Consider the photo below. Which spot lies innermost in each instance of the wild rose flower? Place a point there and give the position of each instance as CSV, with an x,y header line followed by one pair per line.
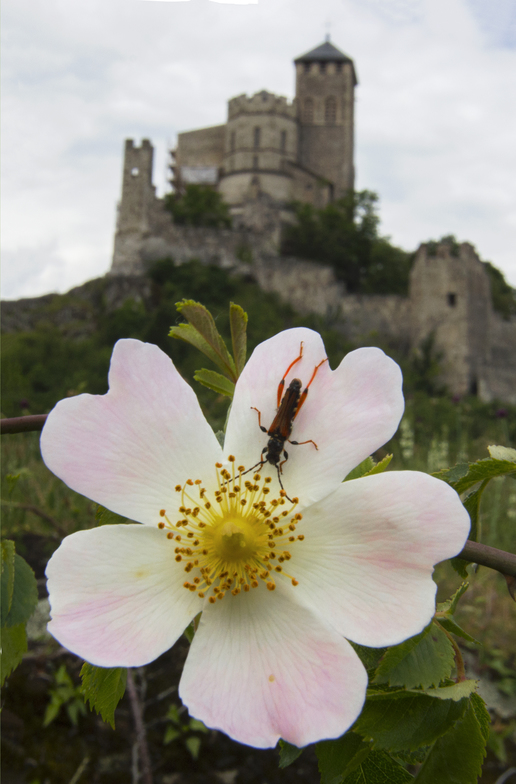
x,y
280,584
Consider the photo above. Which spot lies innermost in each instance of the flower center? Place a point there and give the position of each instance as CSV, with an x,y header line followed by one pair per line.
x,y
236,539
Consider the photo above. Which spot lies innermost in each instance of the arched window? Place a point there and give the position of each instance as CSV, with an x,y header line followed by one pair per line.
x,y
308,110
283,141
330,110
257,137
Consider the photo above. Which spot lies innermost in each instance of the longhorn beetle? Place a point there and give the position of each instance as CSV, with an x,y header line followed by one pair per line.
x,y
289,405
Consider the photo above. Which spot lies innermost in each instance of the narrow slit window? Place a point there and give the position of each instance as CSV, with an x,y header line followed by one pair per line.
x,y
283,141
257,135
451,298
308,114
233,141
255,161
330,110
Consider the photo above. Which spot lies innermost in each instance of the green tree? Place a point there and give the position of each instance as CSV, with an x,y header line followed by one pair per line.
x,y
345,235
502,295
198,205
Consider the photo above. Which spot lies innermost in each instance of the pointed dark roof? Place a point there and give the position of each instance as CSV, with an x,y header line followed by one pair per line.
x,y
326,52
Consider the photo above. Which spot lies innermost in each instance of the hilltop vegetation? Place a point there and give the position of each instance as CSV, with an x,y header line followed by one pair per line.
x,y
345,235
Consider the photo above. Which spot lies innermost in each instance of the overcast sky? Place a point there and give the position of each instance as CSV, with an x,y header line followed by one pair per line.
x,y
435,112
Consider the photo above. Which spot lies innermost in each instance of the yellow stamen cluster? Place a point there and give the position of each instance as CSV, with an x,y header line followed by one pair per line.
x,y
236,539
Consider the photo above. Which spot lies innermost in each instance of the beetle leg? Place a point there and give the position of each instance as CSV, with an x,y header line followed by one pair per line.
x,y
281,385
305,392
264,429
300,443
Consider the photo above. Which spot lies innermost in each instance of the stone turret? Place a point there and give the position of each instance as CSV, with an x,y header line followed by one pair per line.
x,y
325,84
261,140
451,299
136,205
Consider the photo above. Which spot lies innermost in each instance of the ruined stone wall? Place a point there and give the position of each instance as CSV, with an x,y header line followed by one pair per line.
x,y
498,376
451,299
204,147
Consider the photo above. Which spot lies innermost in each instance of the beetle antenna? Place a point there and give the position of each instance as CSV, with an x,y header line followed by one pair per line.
x,y
281,485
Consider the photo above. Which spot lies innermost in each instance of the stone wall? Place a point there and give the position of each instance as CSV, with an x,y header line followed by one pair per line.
x,y
479,347
204,147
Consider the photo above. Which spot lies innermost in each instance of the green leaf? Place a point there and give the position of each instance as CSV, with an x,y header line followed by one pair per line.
x,y
201,332
171,733
482,470
238,324
198,726
7,577
215,381
361,470
103,688
450,605
338,758
14,645
481,715
454,474
24,596
379,768
453,691
503,453
424,660
189,334
445,611
288,753
368,467
380,467
370,657
107,517
193,744
456,757
407,720
453,627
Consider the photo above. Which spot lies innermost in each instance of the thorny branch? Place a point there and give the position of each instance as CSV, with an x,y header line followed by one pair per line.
x,y
481,554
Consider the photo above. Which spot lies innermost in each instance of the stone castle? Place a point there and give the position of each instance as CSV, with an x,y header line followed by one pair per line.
x,y
271,152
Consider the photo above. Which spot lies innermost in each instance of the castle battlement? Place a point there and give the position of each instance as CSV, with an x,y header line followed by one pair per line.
x,y
262,102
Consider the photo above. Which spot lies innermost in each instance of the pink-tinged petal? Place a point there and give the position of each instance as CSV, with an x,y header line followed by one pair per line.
x,y
117,596
349,412
128,449
263,667
367,558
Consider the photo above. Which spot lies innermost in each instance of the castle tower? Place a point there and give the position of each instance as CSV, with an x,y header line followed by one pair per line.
x,y
138,197
325,84
260,142
450,298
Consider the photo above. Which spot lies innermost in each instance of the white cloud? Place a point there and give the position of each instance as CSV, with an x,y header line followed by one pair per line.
x,y
436,114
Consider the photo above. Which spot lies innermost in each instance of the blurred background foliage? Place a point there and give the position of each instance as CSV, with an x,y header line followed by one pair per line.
x,y
198,205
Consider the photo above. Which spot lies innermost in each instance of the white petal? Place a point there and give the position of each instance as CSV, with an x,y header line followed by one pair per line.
x,y
262,667
117,596
348,413
128,449
367,558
